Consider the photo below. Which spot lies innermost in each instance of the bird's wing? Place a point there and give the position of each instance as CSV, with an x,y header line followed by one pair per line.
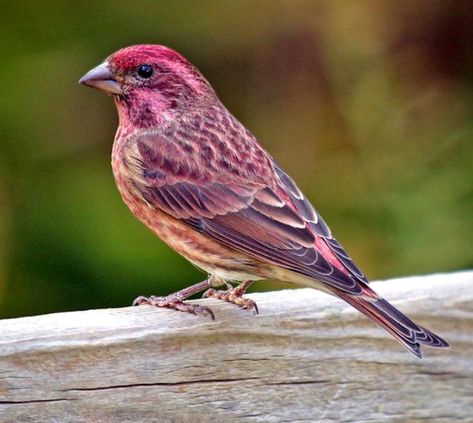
x,y
316,222
271,222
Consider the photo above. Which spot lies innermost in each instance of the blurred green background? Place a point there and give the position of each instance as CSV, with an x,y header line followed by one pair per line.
x,y
367,104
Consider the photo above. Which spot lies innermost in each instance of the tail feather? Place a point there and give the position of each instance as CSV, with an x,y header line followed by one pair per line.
x,y
403,329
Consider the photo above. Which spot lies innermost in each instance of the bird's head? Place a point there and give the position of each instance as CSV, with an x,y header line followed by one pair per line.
x,y
150,84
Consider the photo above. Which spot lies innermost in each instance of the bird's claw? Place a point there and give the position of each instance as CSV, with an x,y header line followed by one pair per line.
x,y
233,296
174,303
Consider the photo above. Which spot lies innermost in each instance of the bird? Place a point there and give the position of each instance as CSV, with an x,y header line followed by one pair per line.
x,y
200,180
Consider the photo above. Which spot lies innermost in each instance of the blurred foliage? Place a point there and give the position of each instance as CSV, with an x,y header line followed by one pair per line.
x,y
367,104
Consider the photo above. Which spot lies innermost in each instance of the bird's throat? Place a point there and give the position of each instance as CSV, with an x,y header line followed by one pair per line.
x,y
142,112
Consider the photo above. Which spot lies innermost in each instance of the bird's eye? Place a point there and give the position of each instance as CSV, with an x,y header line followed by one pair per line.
x,y
145,71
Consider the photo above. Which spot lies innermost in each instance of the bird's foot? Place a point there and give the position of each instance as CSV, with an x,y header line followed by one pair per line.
x,y
174,302
234,296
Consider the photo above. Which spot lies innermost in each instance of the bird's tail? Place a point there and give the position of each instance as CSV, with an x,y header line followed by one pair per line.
x,y
377,309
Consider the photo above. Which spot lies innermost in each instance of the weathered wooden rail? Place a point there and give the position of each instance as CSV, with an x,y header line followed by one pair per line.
x,y
306,357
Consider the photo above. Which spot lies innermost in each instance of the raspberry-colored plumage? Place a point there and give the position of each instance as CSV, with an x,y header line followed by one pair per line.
x,y
199,180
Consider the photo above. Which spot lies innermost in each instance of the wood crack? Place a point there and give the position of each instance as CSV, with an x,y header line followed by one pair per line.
x,y
168,384
302,382
34,401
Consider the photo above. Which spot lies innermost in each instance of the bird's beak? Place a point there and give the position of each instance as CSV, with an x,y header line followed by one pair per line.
x,y
102,79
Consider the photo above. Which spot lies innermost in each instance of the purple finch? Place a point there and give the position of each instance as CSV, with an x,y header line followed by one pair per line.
x,y
192,173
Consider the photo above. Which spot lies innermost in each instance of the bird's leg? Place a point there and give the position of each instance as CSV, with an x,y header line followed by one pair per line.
x,y
234,296
176,301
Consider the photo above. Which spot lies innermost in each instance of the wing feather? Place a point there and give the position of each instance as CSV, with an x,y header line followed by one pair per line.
x,y
318,224
270,221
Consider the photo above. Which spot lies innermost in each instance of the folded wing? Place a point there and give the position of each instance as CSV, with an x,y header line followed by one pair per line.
x,y
272,221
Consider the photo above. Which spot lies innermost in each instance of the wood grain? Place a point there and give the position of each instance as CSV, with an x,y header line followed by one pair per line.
x,y
307,357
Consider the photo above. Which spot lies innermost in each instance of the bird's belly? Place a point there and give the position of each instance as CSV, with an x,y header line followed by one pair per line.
x,y
200,250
